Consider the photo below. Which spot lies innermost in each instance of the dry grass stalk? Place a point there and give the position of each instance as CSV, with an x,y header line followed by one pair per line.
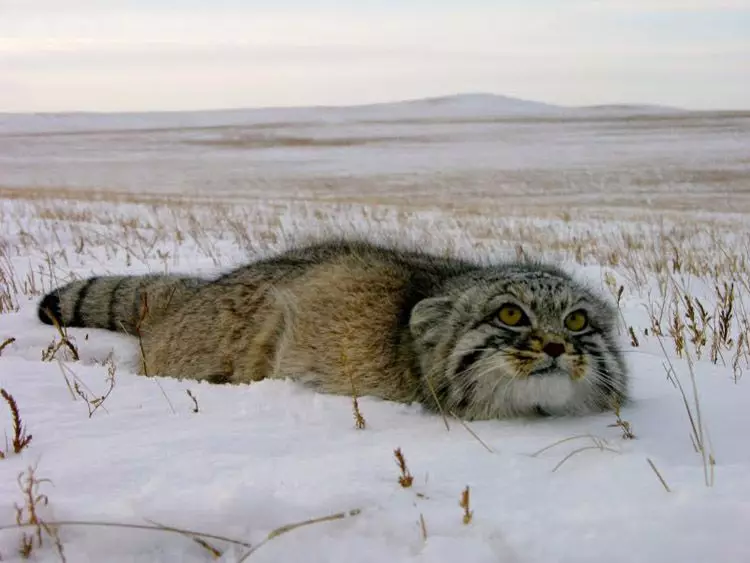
x,y
742,346
723,320
359,420
405,479
658,475
624,425
697,429
93,403
655,318
598,444
213,550
68,375
290,527
676,258
7,342
28,516
474,434
142,316
49,354
633,338
193,398
215,553
698,322
423,527
154,528
568,439
676,327
20,440
465,503
437,402
618,299
9,290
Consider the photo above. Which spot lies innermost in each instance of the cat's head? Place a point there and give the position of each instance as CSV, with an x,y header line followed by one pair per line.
x,y
518,339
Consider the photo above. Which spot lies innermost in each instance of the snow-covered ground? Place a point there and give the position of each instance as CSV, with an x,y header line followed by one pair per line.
x,y
648,208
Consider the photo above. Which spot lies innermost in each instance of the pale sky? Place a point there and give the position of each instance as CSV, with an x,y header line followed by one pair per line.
x,y
102,55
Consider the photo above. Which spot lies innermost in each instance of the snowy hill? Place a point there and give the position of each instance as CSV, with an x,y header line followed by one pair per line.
x,y
461,106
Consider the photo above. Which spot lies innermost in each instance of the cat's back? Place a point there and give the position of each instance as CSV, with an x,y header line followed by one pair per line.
x,y
346,317
353,257
305,311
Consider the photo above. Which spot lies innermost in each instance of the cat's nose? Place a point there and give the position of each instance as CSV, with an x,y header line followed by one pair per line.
x,y
554,349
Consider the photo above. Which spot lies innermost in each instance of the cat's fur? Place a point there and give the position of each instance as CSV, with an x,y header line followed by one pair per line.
x,y
350,315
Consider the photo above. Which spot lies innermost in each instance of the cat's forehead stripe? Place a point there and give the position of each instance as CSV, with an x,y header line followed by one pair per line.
x,y
547,292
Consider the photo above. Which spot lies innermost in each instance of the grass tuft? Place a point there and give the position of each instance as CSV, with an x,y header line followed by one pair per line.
x,y
20,440
465,503
405,479
27,515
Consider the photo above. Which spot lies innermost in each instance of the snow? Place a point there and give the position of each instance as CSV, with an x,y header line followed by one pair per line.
x,y
258,457
261,456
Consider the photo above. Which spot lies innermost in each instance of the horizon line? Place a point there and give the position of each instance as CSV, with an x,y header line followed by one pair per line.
x,y
385,102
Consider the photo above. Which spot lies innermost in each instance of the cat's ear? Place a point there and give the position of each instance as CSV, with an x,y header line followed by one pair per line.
x,y
427,321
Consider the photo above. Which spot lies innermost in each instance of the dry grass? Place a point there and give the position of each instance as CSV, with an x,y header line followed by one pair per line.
x,y
698,433
423,527
473,434
142,317
658,475
21,439
665,262
5,343
28,516
194,399
623,425
598,443
199,537
247,141
291,527
405,478
92,402
51,351
465,503
359,420
632,118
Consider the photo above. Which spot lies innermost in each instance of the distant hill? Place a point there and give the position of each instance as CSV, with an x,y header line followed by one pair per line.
x,y
459,106
479,104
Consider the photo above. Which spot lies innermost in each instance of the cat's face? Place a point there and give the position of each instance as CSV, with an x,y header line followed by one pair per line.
x,y
520,340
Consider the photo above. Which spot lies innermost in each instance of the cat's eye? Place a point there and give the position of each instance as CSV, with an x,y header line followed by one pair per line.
x,y
512,315
577,321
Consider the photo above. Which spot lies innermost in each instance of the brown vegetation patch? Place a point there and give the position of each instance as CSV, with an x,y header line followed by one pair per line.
x,y
270,142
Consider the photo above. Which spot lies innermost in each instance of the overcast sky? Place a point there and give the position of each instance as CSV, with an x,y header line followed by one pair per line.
x,y
60,55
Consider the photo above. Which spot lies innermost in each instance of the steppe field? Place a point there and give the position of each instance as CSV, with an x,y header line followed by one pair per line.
x,y
650,205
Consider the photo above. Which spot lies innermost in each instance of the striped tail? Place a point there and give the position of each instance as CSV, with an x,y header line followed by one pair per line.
x,y
117,303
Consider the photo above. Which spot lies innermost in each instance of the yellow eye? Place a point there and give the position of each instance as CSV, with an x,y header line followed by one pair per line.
x,y
577,321
512,315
